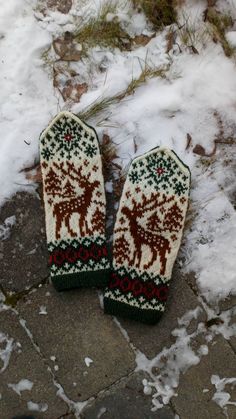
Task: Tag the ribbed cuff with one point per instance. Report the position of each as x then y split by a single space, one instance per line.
82 279
117 308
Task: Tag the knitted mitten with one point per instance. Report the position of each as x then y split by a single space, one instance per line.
74 200
147 235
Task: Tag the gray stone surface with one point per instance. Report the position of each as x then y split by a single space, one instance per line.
25 363
191 398
24 254
232 340
75 328
227 303
125 400
152 339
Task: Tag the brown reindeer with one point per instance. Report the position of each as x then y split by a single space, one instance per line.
157 244
64 209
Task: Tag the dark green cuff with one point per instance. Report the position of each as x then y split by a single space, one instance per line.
117 308
82 279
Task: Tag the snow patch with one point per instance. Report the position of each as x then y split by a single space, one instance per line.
6 348
88 361
27 96
101 412
43 310
109 186
222 397
165 368
37 407
5 228
231 38
76 406
170 363
23 385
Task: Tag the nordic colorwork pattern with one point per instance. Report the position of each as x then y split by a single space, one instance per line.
147 235
74 200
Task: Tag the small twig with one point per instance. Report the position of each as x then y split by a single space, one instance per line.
189 141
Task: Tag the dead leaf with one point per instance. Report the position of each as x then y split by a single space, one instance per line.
198 149
33 173
66 48
74 91
142 39
170 38
63 6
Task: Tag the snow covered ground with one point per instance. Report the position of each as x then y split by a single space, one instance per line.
190 107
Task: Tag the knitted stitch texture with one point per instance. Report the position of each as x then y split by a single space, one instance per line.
147 235
74 200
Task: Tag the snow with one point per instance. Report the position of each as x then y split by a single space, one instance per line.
171 362
5 228
23 385
6 348
76 406
221 397
231 38
88 361
109 186
167 366
37 407
43 310
27 95
101 412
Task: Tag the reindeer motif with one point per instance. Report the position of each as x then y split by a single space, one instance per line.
141 236
63 210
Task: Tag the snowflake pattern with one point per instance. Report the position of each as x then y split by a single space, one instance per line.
67 138
160 170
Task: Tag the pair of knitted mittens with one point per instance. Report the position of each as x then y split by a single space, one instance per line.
148 228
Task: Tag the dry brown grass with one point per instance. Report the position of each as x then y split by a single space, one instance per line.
104 103
159 12
102 31
219 23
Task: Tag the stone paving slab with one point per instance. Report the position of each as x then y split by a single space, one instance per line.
191 398
152 339
24 254
25 363
227 303
73 329
126 400
232 340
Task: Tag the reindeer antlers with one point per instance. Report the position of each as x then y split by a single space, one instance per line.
71 167
151 203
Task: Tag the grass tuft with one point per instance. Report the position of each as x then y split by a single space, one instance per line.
218 24
159 12
102 104
104 30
